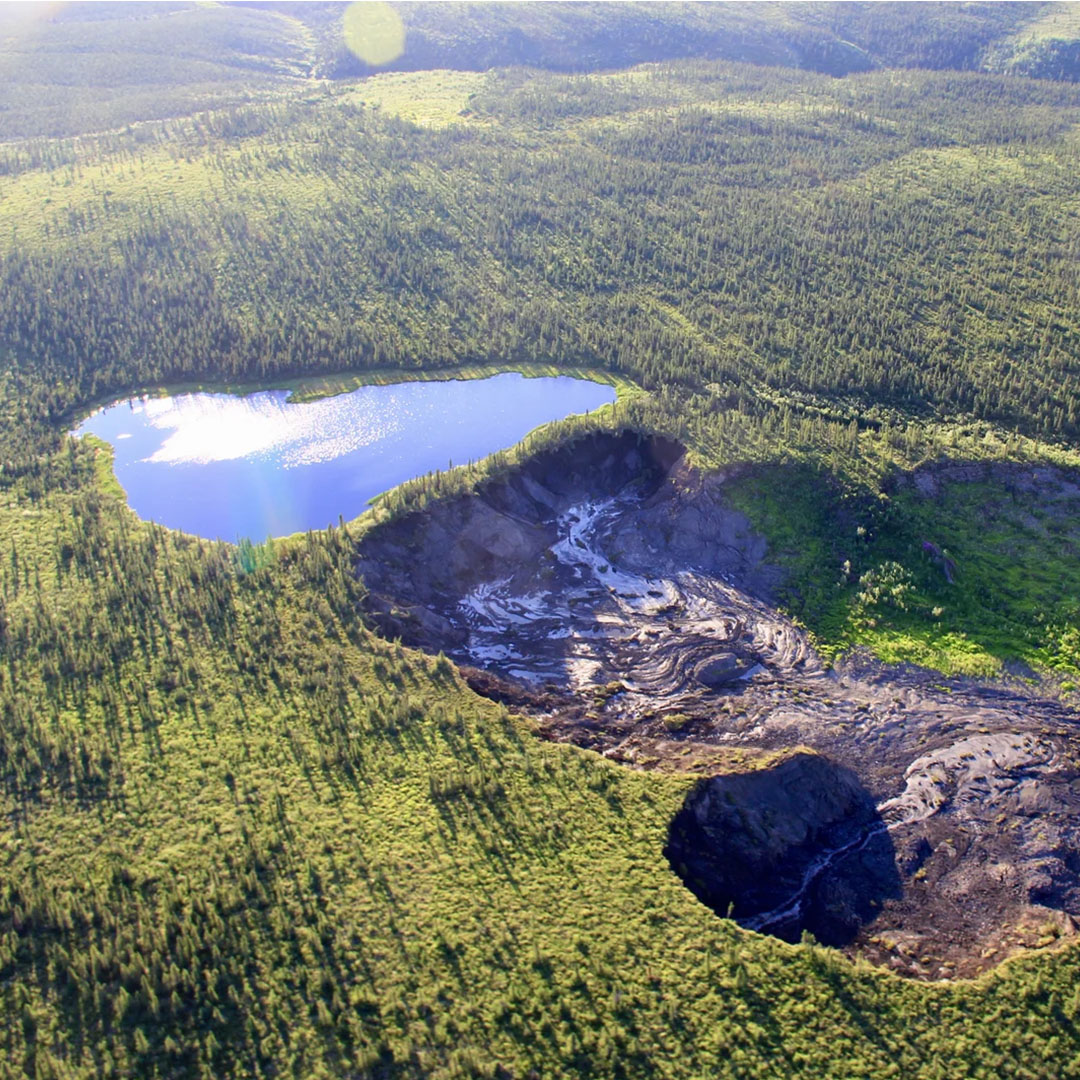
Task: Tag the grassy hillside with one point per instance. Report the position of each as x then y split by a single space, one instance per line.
978 578
246 836
67 69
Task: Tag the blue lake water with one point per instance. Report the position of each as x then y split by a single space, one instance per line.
227 467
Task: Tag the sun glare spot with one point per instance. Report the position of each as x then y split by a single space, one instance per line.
18 15
217 427
374 32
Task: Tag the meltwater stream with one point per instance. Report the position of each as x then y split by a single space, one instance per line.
970 770
227 467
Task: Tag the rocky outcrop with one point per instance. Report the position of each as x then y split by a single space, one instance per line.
720 670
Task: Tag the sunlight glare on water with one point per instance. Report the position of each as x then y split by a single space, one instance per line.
224 466
208 428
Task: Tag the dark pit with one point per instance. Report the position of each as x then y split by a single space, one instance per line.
793 849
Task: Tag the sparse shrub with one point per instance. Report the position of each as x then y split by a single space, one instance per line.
676 721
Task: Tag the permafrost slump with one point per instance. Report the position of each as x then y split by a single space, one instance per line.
608 589
569 578
605 619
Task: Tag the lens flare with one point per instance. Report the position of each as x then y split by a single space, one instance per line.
374 32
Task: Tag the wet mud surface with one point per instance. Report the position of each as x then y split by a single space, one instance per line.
610 592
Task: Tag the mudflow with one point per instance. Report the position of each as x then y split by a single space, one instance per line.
609 591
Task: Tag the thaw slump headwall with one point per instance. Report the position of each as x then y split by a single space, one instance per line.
607 561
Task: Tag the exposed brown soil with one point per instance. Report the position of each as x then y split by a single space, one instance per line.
610 592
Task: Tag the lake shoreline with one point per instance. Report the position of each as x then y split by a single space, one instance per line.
272 462
306 388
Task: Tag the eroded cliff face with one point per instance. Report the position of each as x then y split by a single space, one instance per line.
437 558
612 593
609 562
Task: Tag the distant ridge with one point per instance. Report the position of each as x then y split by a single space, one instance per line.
72 68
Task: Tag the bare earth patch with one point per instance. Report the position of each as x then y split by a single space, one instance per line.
610 592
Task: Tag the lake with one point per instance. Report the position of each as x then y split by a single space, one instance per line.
227 467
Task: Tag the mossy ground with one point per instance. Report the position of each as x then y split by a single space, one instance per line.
861 574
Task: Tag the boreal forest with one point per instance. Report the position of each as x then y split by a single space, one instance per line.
264 811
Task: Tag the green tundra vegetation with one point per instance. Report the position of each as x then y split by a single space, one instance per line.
245 836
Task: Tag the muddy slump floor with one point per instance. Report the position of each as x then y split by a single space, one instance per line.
930 825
